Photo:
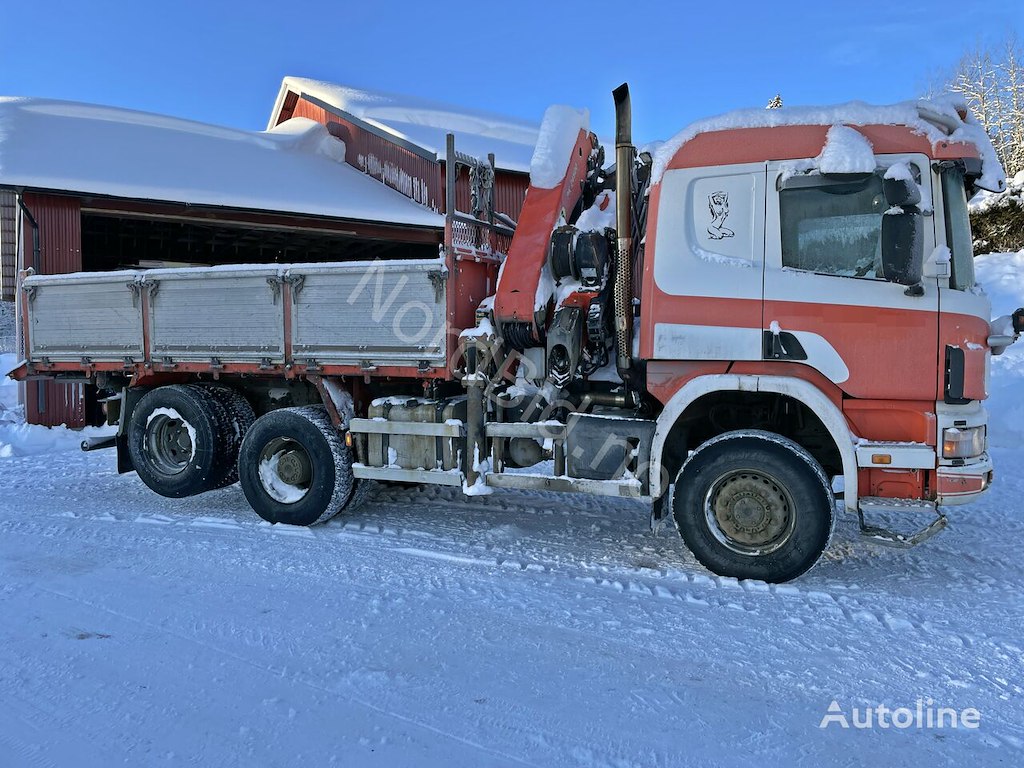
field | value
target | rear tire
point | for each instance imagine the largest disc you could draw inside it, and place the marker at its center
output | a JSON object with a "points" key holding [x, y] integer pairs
{"points": [[176, 441], [239, 418], [294, 467], [754, 505]]}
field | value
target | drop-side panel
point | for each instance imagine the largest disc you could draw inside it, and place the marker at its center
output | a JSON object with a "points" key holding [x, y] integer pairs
{"points": [[370, 314], [230, 314], [97, 316]]}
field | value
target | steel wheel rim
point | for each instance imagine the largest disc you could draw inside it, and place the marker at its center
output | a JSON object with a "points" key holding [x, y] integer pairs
{"points": [[285, 470], [750, 512], [169, 444]]}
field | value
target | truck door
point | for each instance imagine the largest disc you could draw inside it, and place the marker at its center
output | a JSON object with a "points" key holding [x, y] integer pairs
{"points": [[705, 303], [826, 303], [964, 312]]}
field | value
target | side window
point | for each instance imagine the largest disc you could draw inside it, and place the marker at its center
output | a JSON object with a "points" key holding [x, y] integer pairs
{"points": [[722, 216], [958, 229], [833, 226]]}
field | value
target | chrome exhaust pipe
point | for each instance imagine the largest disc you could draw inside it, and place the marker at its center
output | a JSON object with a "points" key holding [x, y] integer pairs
{"points": [[623, 288]]}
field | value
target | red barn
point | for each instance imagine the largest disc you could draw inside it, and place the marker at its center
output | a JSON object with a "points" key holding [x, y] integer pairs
{"points": [[356, 176]]}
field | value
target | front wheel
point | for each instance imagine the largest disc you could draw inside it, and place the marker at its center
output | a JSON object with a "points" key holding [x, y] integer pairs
{"points": [[294, 467], [754, 505]]}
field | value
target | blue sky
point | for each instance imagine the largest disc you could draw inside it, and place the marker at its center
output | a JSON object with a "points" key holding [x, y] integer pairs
{"points": [[223, 62]]}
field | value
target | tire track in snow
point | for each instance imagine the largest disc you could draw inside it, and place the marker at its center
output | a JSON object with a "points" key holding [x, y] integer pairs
{"points": [[803, 606]]}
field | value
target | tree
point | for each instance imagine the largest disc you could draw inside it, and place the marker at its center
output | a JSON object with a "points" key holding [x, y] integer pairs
{"points": [[991, 80]]}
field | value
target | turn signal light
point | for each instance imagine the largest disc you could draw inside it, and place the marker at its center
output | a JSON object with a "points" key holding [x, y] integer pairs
{"points": [[881, 458]]}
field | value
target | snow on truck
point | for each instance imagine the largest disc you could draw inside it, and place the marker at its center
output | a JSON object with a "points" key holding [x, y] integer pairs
{"points": [[772, 310]]}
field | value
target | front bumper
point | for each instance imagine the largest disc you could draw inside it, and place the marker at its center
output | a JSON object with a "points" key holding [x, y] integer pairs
{"points": [[962, 485]]}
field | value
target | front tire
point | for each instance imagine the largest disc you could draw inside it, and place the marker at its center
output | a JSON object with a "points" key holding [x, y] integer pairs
{"points": [[754, 505], [294, 467]]}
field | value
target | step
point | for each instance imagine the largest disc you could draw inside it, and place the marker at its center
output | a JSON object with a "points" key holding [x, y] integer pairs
{"points": [[620, 488], [399, 475]]}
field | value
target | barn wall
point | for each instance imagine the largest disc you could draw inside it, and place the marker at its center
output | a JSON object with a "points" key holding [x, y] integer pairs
{"points": [[8, 245], [60, 240], [510, 192], [404, 171]]}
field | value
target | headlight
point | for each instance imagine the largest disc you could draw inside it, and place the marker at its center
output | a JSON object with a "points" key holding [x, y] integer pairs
{"points": [[963, 442]]}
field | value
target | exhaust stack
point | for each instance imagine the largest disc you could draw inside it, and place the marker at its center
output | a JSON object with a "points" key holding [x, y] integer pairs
{"points": [[625, 153]]}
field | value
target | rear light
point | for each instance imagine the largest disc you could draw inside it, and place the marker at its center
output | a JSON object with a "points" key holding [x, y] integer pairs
{"points": [[963, 442]]}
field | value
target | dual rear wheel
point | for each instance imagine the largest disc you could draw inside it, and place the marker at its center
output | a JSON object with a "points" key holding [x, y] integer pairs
{"points": [[294, 468]]}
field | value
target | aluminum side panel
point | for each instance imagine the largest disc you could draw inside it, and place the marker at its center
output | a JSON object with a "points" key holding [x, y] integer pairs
{"points": [[232, 315], [378, 314], [98, 317]]}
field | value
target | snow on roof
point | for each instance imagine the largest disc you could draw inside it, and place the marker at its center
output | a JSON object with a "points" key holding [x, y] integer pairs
{"points": [[296, 168], [426, 123], [937, 120]]}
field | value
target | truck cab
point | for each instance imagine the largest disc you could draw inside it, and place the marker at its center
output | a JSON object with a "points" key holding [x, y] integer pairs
{"points": [[774, 267]]}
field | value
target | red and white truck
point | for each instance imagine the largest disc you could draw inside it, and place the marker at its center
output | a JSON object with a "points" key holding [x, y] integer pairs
{"points": [[772, 310]]}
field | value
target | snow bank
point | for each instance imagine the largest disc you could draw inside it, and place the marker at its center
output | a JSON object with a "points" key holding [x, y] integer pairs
{"points": [[559, 133], [425, 123], [909, 113], [32, 439], [846, 150], [1002, 275], [20, 439], [296, 168], [10, 411], [1014, 193]]}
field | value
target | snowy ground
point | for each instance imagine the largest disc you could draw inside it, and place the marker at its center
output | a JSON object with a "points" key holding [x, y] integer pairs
{"points": [[517, 629]]}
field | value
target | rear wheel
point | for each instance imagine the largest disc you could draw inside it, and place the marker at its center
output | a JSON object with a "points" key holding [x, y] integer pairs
{"points": [[754, 505], [294, 467], [176, 441], [239, 416]]}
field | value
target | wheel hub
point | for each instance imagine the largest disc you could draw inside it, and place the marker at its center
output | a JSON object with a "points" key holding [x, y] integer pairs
{"points": [[293, 467], [749, 512], [169, 444], [285, 470]]}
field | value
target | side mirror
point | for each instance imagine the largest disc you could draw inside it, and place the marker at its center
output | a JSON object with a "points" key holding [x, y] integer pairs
{"points": [[903, 246], [901, 191]]}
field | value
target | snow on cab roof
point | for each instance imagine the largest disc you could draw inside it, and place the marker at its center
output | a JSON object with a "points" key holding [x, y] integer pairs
{"points": [[426, 123], [937, 120], [91, 149]]}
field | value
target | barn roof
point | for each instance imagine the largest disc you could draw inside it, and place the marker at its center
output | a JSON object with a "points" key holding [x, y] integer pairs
{"points": [[89, 149], [424, 123]]}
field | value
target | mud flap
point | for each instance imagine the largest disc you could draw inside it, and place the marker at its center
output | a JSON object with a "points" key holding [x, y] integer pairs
{"points": [[661, 510]]}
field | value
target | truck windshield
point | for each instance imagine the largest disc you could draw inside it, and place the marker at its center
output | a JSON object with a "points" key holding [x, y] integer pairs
{"points": [[833, 228], [958, 229]]}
